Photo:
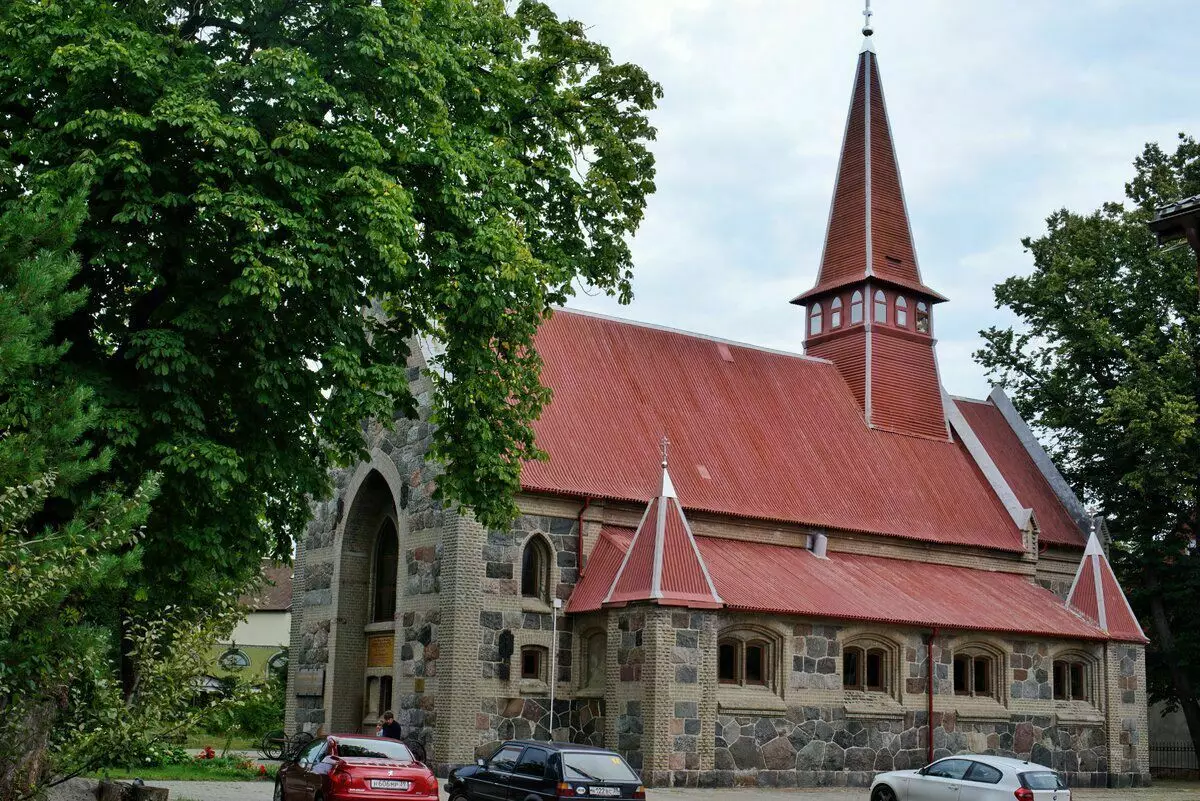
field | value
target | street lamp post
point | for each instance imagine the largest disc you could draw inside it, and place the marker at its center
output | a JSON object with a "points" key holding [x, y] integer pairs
{"points": [[553, 660]]}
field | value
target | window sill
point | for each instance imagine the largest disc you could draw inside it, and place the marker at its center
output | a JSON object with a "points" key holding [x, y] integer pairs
{"points": [[534, 605], [589, 692], [381, 626], [872, 705], [981, 709], [532, 687], [1078, 712], [748, 700]]}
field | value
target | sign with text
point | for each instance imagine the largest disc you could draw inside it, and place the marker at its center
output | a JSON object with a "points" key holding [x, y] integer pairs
{"points": [[379, 650], [310, 681]]}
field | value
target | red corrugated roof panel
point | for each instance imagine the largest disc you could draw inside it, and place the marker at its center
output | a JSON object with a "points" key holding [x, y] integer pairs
{"points": [[764, 435], [1096, 594], [663, 564], [602, 565], [1021, 473], [788, 580]]}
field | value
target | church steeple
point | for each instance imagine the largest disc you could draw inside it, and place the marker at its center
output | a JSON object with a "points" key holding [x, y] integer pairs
{"points": [[870, 313]]}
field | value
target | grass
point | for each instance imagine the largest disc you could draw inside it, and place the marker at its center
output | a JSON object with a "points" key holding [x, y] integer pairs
{"points": [[197, 770], [217, 741]]}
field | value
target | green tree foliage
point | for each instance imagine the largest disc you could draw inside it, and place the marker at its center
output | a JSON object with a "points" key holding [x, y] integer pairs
{"points": [[281, 195], [69, 541], [1106, 361]]}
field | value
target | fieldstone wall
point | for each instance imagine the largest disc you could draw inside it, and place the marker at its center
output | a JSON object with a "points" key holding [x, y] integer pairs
{"points": [[499, 719], [815, 653], [628, 657]]}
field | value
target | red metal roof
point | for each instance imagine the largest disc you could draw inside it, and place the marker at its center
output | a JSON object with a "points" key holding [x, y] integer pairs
{"points": [[869, 232], [1097, 594], [782, 579], [757, 434], [1022, 474], [663, 564]]}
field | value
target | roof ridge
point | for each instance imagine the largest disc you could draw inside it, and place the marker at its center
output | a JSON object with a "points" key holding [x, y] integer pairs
{"points": [[695, 334]]}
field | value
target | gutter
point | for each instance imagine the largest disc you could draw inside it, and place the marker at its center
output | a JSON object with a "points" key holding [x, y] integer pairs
{"points": [[929, 693], [587, 501]]}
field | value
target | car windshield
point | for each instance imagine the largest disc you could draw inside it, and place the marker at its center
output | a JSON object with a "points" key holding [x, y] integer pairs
{"points": [[373, 749], [598, 767], [1043, 780]]}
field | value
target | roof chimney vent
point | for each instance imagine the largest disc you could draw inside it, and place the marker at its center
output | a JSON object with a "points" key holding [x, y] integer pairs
{"points": [[818, 543]]}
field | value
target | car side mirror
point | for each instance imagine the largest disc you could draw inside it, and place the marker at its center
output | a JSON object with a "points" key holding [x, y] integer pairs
{"points": [[923, 771], [479, 761]]}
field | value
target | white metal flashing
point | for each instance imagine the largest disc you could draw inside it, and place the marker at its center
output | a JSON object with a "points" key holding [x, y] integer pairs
{"points": [[1049, 471], [668, 488], [1100, 611], [1021, 516], [620, 570], [660, 531], [693, 334], [696, 550], [866, 57]]}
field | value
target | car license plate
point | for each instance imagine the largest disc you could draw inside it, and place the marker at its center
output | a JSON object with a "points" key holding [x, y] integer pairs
{"points": [[606, 791], [389, 784]]}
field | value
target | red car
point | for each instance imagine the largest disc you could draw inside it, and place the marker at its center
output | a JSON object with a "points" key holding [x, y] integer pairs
{"points": [[345, 766]]}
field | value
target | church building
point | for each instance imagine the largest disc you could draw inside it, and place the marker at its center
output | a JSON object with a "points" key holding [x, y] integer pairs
{"points": [[738, 566]]}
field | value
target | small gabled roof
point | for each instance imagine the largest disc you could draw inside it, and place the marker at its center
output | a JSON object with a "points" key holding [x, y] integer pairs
{"points": [[1096, 595], [273, 593], [663, 564]]}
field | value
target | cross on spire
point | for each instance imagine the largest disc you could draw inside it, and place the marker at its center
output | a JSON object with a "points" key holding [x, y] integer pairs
{"points": [[663, 445], [867, 30]]}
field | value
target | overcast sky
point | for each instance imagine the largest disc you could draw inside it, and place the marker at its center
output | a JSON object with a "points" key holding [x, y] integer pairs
{"points": [[1002, 111]]}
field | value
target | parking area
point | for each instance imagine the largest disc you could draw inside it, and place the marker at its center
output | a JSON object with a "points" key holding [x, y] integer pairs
{"points": [[261, 791]]}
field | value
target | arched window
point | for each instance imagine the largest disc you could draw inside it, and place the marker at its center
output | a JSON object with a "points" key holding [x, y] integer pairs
{"points": [[1072, 679], [922, 317], [387, 556], [747, 658], [901, 312], [856, 308], [835, 313], [867, 665], [277, 663], [234, 659], [595, 648], [814, 319], [880, 306], [535, 569], [976, 673]]}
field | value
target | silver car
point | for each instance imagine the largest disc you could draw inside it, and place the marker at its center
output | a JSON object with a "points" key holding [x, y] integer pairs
{"points": [[972, 777]]}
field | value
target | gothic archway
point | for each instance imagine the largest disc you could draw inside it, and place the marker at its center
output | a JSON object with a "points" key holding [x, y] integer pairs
{"points": [[361, 651]]}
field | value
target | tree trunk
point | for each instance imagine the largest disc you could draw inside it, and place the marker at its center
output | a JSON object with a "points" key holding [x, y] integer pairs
{"points": [[23, 754], [1184, 692]]}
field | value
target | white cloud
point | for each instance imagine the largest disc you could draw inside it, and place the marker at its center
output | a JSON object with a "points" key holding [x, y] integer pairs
{"points": [[1001, 111]]}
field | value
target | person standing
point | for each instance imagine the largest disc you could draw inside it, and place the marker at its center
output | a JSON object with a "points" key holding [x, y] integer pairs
{"points": [[390, 727]]}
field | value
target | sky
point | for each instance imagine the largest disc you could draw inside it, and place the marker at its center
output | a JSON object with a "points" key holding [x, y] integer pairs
{"points": [[1002, 111]]}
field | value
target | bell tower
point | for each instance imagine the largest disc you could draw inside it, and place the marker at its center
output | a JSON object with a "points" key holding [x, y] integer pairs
{"points": [[870, 313]]}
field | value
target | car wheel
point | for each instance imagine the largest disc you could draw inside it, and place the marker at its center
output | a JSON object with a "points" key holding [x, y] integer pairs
{"points": [[459, 797], [883, 793]]}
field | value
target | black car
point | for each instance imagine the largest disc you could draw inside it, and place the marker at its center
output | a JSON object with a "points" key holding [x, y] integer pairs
{"points": [[529, 770]]}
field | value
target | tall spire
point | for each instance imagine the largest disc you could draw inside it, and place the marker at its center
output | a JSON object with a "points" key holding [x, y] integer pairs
{"points": [[870, 313], [663, 564]]}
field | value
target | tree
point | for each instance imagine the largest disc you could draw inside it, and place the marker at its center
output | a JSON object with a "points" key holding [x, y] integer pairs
{"points": [[1107, 363], [261, 175], [64, 548]]}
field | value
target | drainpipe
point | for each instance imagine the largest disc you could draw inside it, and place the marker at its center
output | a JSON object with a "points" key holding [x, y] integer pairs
{"points": [[929, 691], [579, 537]]}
